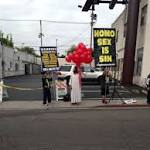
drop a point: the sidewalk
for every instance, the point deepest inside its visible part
(85, 104)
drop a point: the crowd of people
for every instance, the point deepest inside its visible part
(74, 87)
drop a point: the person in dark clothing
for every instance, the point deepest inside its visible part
(105, 80)
(148, 89)
(46, 83)
(67, 97)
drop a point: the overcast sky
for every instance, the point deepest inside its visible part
(26, 33)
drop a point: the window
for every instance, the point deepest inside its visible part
(125, 30)
(65, 68)
(10, 64)
(3, 65)
(143, 15)
(87, 69)
(139, 61)
(16, 67)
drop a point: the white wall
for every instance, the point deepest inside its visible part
(14, 62)
(143, 41)
(0, 61)
(146, 54)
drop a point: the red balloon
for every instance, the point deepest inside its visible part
(88, 59)
(70, 56)
(75, 58)
(68, 59)
(81, 46)
(82, 57)
(86, 53)
(79, 51)
(89, 51)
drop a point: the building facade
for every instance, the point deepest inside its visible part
(142, 53)
(14, 62)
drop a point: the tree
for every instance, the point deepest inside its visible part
(71, 49)
(27, 49)
(7, 41)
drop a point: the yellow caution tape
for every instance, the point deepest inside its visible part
(31, 89)
(19, 88)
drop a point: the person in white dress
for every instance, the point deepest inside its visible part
(75, 87)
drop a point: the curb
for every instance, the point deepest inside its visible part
(125, 105)
(111, 106)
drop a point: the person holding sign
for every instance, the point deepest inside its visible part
(46, 83)
(105, 80)
(75, 87)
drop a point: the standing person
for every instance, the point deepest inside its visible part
(105, 80)
(46, 83)
(75, 87)
(148, 89)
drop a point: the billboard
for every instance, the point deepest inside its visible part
(104, 46)
(49, 58)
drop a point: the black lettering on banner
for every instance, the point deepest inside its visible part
(104, 46)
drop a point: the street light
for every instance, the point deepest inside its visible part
(112, 4)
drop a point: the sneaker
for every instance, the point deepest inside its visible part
(44, 106)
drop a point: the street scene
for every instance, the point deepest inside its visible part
(74, 75)
(90, 90)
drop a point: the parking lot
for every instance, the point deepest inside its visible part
(90, 91)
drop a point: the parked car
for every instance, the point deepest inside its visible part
(90, 74)
(67, 69)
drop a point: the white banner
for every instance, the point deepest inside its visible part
(61, 89)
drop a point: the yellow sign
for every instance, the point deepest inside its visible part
(104, 46)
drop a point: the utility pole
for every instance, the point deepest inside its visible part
(92, 23)
(2, 55)
(130, 43)
(41, 33)
(2, 73)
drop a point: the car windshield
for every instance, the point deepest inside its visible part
(65, 68)
(98, 69)
(87, 69)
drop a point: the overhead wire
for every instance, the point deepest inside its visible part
(50, 21)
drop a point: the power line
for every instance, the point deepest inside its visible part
(50, 21)
(76, 38)
(66, 43)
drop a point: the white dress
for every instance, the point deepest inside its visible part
(76, 88)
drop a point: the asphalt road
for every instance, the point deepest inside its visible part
(90, 91)
(75, 130)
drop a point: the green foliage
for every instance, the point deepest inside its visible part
(7, 41)
(71, 49)
(28, 50)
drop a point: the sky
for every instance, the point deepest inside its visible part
(25, 33)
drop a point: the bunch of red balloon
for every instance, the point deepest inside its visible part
(80, 55)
